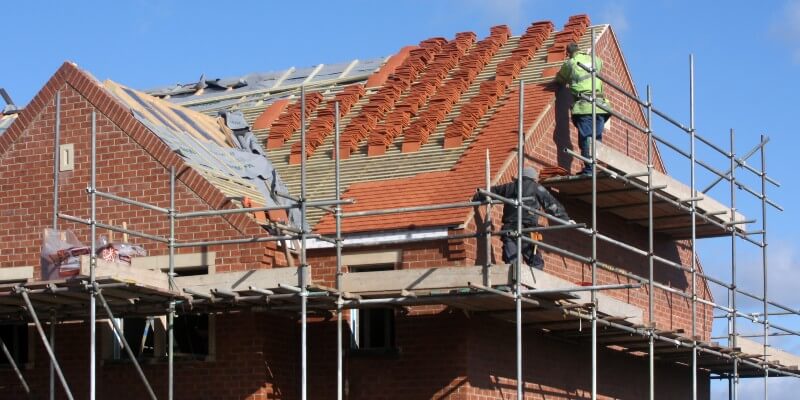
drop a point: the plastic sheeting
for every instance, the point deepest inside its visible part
(5, 122)
(248, 162)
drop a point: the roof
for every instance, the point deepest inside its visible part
(414, 131)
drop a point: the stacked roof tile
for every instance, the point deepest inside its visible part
(384, 98)
(451, 92)
(572, 32)
(323, 125)
(270, 114)
(490, 91)
(422, 90)
(289, 121)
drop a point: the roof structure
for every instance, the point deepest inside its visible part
(414, 131)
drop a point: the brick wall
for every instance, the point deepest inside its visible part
(472, 357)
(258, 360)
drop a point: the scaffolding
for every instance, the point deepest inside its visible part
(66, 299)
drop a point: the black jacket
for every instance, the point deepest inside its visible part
(537, 198)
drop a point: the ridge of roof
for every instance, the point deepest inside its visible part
(263, 85)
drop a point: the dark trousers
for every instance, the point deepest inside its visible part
(584, 125)
(510, 252)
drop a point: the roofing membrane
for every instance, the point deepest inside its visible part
(208, 147)
(5, 122)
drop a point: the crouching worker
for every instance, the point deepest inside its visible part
(534, 196)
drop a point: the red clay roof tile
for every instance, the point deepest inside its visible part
(388, 68)
(384, 99)
(507, 70)
(323, 125)
(289, 121)
(270, 114)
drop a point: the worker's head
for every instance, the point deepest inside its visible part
(572, 48)
(530, 173)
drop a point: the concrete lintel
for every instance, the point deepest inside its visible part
(372, 257)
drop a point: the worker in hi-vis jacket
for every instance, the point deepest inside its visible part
(534, 196)
(580, 84)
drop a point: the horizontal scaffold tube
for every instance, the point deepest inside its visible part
(113, 228)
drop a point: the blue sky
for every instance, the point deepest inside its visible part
(747, 63)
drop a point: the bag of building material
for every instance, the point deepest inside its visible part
(118, 252)
(61, 253)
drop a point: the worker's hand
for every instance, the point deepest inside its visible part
(572, 222)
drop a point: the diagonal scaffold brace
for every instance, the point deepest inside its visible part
(46, 343)
(120, 334)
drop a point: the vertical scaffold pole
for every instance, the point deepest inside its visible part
(693, 210)
(518, 263)
(594, 219)
(303, 266)
(650, 247)
(488, 222)
(56, 161)
(56, 170)
(171, 275)
(338, 211)
(732, 333)
(764, 261)
(93, 265)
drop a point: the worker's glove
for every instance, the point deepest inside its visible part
(572, 222)
(478, 197)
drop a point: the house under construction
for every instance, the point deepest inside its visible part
(310, 234)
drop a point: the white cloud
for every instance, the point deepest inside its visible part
(784, 273)
(787, 28)
(614, 13)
